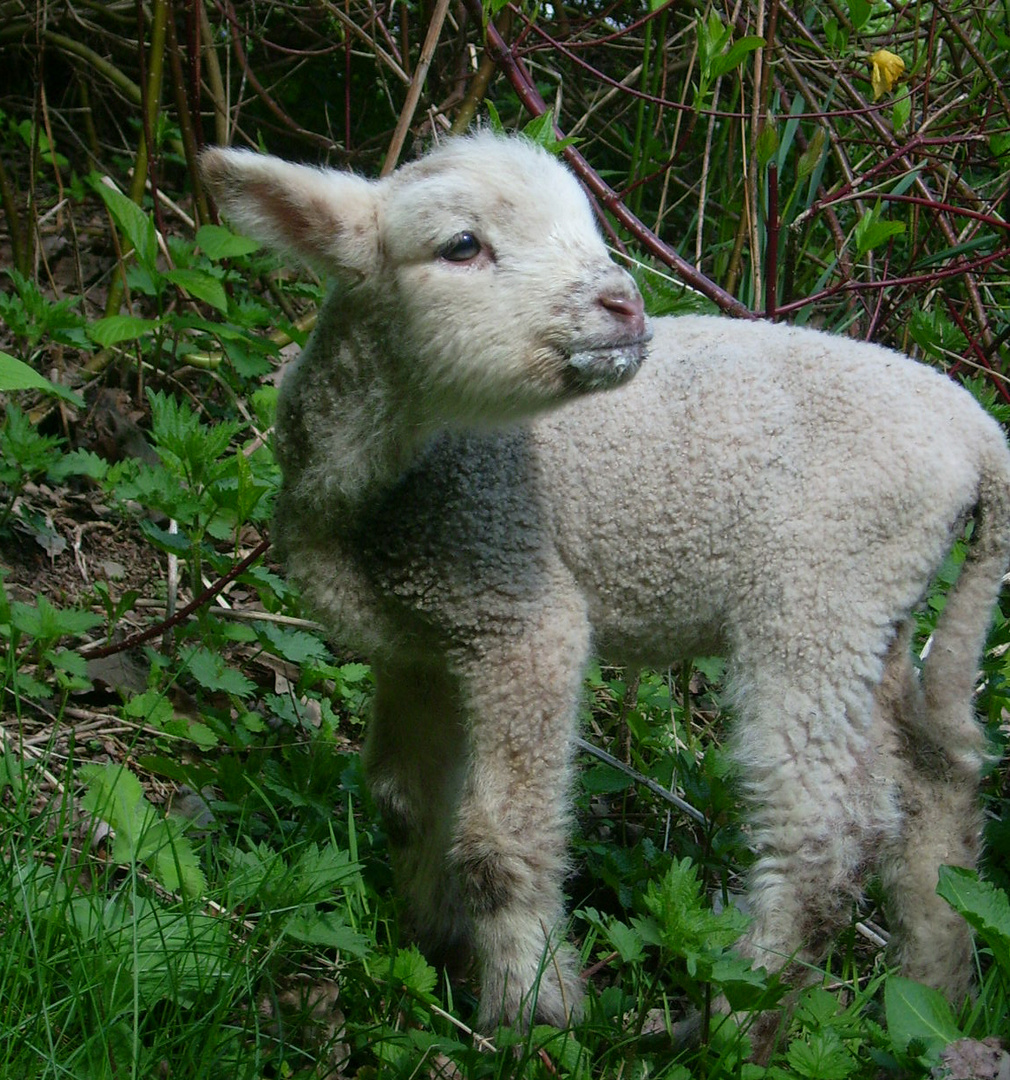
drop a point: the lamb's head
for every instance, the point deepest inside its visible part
(478, 271)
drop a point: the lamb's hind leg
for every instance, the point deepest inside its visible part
(935, 760)
(415, 756)
(521, 697)
(819, 808)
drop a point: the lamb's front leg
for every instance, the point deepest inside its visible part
(521, 694)
(415, 760)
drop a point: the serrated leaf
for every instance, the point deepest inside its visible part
(141, 835)
(172, 859)
(321, 871)
(410, 969)
(294, 645)
(983, 906)
(626, 940)
(821, 1056)
(200, 284)
(204, 737)
(354, 672)
(71, 662)
(115, 328)
(172, 543)
(78, 463)
(918, 1012)
(48, 622)
(328, 929)
(114, 794)
(212, 673)
(151, 706)
(218, 242)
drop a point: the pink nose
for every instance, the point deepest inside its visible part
(627, 308)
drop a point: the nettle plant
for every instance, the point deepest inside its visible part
(174, 276)
(209, 489)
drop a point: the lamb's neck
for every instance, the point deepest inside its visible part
(346, 430)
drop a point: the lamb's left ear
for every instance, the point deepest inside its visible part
(326, 218)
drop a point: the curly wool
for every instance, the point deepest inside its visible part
(459, 507)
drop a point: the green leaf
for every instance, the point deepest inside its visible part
(983, 906)
(320, 871)
(601, 778)
(328, 929)
(354, 672)
(626, 940)
(212, 673)
(410, 969)
(115, 328)
(78, 463)
(810, 157)
(17, 375)
(204, 737)
(202, 285)
(999, 144)
(901, 112)
(172, 859)
(114, 794)
(141, 835)
(859, 12)
(44, 621)
(294, 645)
(767, 144)
(735, 55)
(137, 225)
(172, 543)
(918, 1012)
(871, 231)
(541, 130)
(821, 1056)
(218, 242)
(152, 707)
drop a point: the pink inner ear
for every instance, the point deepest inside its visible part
(306, 224)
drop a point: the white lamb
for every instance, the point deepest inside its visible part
(457, 507)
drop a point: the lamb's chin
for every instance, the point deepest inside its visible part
(603, 368)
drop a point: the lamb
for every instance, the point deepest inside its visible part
(477, 495)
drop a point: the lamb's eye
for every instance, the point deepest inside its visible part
(463, 247)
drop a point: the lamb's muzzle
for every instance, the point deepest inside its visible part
(619, 355)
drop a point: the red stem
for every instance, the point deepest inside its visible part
(166, 624)
(534, 103)
(772, 243)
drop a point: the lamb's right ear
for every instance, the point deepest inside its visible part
(327, 218)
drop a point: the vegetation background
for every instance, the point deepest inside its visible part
(193, 882)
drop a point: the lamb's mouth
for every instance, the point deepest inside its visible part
(600, 368)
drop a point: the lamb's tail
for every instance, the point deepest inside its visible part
(952, 662)
(941, 752)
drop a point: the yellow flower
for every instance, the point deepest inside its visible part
(887, 70)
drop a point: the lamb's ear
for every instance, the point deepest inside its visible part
(327, 218)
